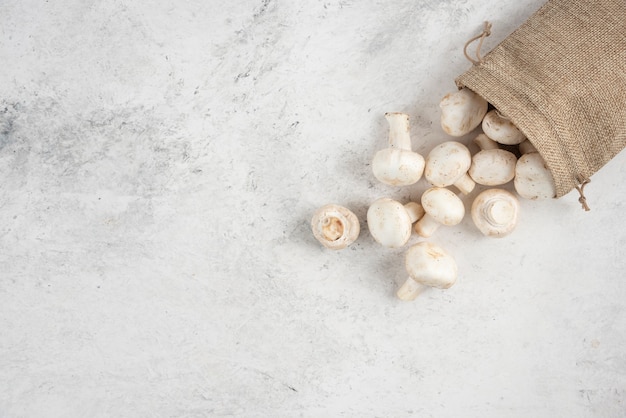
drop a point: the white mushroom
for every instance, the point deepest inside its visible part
(533, 179)
(390, 222)
(442, 207)
(447, 164)
(335, 227)
(398, 165)
(501, 129)
(491, 166)
(526, 147)
(495, 212)
(428, 265)
(461, 112)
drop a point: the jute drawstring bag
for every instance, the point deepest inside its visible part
(561, 79)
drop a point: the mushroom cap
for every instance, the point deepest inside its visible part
(495, 212)
(533, 179)
(493, 167)
(443, 205)
(397, 167)
(399, 130)
(447, 163)
(431, 265)
(461, 112)
(501, 129)
(335, 226)
(389, 222)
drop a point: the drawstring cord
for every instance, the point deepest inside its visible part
(481, 36)
(582, 181)
(581, 190)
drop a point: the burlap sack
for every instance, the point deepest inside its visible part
(561, 79)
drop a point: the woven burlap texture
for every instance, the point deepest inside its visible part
(561, 79)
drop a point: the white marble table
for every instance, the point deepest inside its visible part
(159, 164)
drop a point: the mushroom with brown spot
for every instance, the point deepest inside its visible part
(462, 111)
(447, 165)
(335, 226)
(390, 222)
(398, 165)
(491, 166)
(428, 265)
(533, 180)
(501, 129)
(442, 207)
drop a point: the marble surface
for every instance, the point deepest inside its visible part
(159, 164)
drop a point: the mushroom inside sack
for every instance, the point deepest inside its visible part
(501, 129)
(533, 180)
(461, 112)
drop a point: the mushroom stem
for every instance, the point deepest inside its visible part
(399, 136)
(526, 147)
(485, 143)
(497, 212)
(465, 184)
(426, 226)
(410, 290)
(415, 211)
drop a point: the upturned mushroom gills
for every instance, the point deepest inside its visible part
(398, 165)
(442, 207)
(390, 222)
(533, 180)
(461, 112)
(428, 265)
(447, 164)
(335, 226)
(495, 212)
(501, 129)
(491, 166)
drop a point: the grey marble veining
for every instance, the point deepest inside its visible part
(159, 165)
